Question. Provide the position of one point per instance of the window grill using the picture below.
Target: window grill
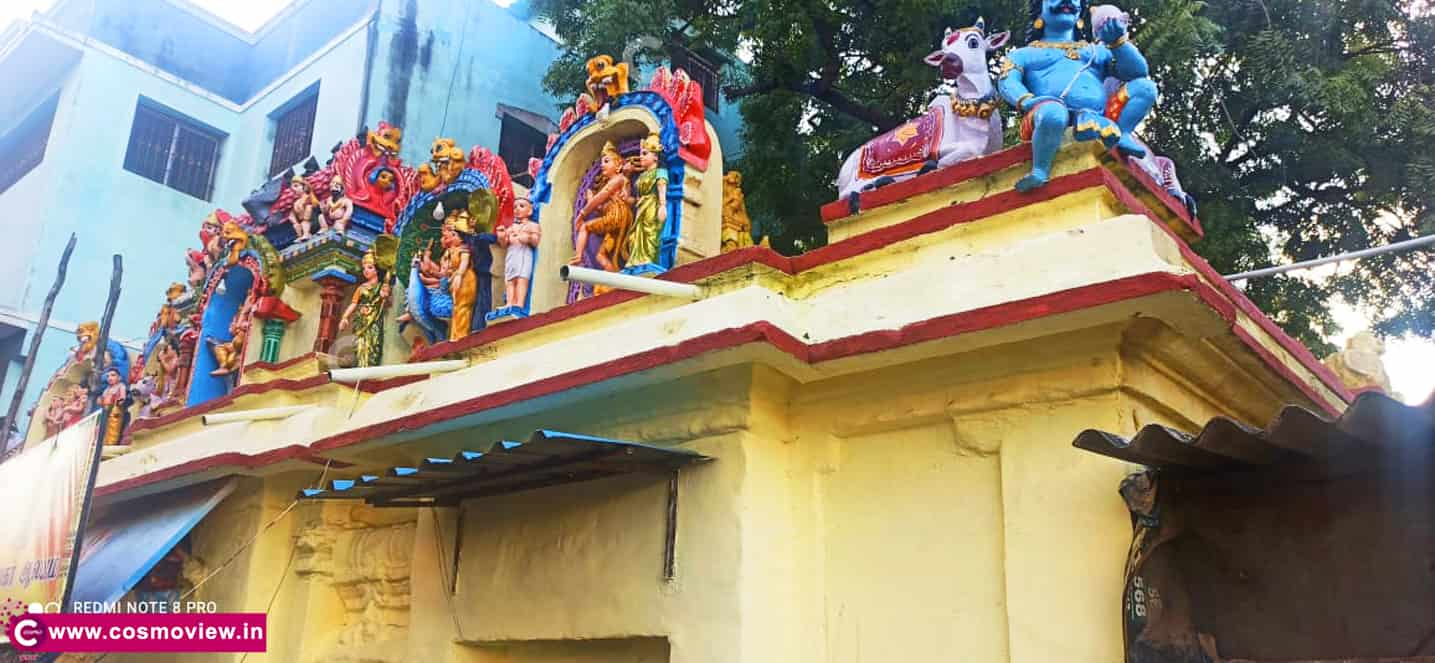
(517, 143)
(703, 72)
(173, 151)
(25, 144)
(293, 135)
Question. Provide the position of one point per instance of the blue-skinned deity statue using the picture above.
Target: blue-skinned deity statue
(1055, 82)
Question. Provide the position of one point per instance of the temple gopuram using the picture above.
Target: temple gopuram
(417, 412)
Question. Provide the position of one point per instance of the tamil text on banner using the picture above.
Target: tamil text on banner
(42, 499)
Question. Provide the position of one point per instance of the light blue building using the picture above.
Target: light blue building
(129, 121)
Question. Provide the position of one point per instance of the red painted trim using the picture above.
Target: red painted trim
(985, 318)
(283, 384)
(1232, 293)
(227, 459)
(1177, 207)
(683, 274)
(958, 172)
(1278, 366)
(990, 317)
(270, 366)
(376, 386)
(1000, 315)
(930, 222)
(1214, 291)
(984, 166)
(967, 321)
(946, 217)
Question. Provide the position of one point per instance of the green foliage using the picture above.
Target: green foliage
(1303, 127)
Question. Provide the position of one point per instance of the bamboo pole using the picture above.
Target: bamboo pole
(40, 326)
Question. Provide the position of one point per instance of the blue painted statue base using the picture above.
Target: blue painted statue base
(504, 312)
(643, 269)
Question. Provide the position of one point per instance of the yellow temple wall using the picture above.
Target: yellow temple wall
(921, 511)
(918, 502)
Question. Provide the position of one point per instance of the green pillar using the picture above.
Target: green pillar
(273, 334)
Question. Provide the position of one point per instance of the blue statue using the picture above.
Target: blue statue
(1055, 82)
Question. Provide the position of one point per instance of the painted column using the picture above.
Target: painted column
(273, 335)
(275, 314)
(332, 281)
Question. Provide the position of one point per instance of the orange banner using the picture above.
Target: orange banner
(42, 499)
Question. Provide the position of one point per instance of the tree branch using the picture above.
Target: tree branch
(735, 92)
(845, 105)
(827, 94)
(1388, 46)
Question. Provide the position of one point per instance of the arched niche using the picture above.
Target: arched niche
(416, 226)
(694, 195)
(220, 305)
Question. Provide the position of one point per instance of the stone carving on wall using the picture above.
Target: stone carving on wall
(364, 554)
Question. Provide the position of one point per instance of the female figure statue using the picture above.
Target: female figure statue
(616, 215)
(521, 240)
(652, 208)
(366, 314)
(114, 400)
(450, 286)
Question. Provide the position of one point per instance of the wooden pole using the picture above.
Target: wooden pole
(40, 326)
(103, 343)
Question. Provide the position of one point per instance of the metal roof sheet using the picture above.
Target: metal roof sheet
(547, 458)
(1374, 424)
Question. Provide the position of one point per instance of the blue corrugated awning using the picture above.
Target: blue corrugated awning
(547, 458)
(121, 546)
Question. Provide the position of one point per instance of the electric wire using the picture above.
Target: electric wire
(457, 61)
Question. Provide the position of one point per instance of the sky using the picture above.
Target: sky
(1410, 361)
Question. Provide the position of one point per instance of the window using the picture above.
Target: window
(173, 150)
(25, 144)
(703, 72)
(294, 132)
(517, 143)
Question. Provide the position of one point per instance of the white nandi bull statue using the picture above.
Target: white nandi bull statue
(953, 128)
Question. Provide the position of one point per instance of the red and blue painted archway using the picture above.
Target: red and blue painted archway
(226, 290)
(415, 226)
(668, 133)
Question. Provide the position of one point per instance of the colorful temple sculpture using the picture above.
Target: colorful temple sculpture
(1056, 83)
(620, 177)
(955, 127)
(400, 431)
